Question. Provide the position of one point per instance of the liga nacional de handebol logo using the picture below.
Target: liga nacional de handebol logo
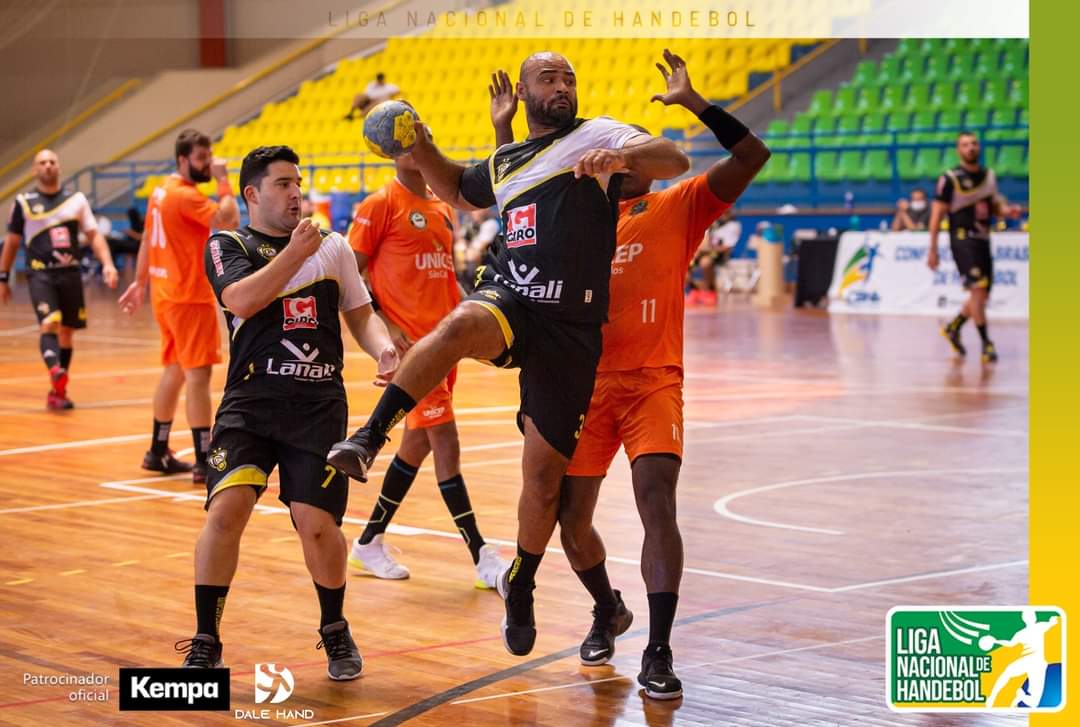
(976, 658)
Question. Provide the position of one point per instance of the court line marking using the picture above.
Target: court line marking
(937, 574)
(620, 677)
(721, 506)
(19, 581)
(80, 503)
(750, 377)
(342, 719)
(32, 328)
(905, 424)
(74, 572)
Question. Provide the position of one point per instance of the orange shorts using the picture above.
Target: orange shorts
(189, 334)
(435, 408)
(641, 410)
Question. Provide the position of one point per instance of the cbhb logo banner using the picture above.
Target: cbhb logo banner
(174, 689)
(971, 658)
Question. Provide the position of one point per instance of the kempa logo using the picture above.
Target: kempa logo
(971, 658)
(273, 683)
(305, 366)
(174, 689)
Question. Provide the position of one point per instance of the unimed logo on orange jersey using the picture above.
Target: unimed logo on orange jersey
(521, 226)
(300, 313)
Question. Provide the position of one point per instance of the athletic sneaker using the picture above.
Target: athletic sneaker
(165, 463)
(203, 651)
(989, 353)
(343, 660)
(375, 558)
(599, 646)
(489, 567)
(656, 675)
(355, 455)
(518, 625)
(198, 473)
(952, 335)
(59, 378)
(56, 402)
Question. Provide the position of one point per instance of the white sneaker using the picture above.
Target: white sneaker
(375, 558)
(489, 567)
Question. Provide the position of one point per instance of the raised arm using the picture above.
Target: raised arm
(441, 174)
(227, 216)
(249, 295)
(503, 107)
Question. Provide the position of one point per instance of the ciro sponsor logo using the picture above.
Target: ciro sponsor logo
(299, 313)
(304, 367)
(521, 226)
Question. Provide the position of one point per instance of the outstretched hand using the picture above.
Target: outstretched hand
(504, 101)
(679, 89)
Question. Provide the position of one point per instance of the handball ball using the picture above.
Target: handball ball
(389, 129)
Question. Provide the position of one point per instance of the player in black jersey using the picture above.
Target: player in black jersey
(968, 195)
(540, 304)
(282, 283)
(50, 219)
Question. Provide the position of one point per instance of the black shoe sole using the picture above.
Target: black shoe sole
(343, 456)
(660, 695)
(506, 642)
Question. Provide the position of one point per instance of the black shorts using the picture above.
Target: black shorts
(244, 451)
(57, 296)
(974, 262)
(557, 360)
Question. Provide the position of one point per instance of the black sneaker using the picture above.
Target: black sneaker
(599, 646)
(202, 652)
(989, 353)
(165, 463)
(355, 455)
(952, 335)
(656, 675)
(198, 474)
(343, 660)
(518, 625)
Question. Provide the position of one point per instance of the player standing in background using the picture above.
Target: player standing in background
(637, 402)
(178, 222)
(50, 219)
(282, 284)
(403, 238)
(968, 194)
(539, 306)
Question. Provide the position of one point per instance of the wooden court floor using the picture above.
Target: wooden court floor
(835, 467)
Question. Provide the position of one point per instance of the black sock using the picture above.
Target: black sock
(982, 334)
(596, 582)
(457, 502)
(393, 405)
(49, 344)
(159, 445)
(957, 323)
(65, 357)
(200, 437)
(209, 605)
(331, 601)
(661, 616)
(523, 569)
(399, 478)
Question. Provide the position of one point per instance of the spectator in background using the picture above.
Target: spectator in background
(475, 235)
(716, 247)
(913, 215)
(308, 209)
(374, 93)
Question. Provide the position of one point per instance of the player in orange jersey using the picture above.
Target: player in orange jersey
(637, 401)
(403, 237)
(179, 219)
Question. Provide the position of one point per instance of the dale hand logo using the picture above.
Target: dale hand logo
(976, 658)
(273, 683)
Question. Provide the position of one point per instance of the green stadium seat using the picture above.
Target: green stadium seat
(892, 97)
(981, 44)
(777, 126)
(769, 172)
(928, 163)
(993, 93)
(1014, 63)
(967, 94)
(949, 118)
(877, 166)
(918, 98)
(932, 45)
(825, 125)
(1003, 116)
(1023, 118)
(865, 74)
(821, 103)
(800, 167)
(1018, 92)
(974, 118)
(943, 95)
(802, 124)
(937, 68)
(956, 45)
(851, 166)
(898, 121)
(963, 67)
(873, 122)
(986, 63)
(827, 167)
(1010, 162)
(888, 71)
(905, 160)
(923, 119)
(844, 101)
(908, 47)
(868, 99)
(911, 69)
(848, 123)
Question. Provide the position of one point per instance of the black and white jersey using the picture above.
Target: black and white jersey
(291, 350)
(559, 231)
(49, 225)
(970, 196)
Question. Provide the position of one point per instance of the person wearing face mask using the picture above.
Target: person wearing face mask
(913, 215)
(178, 220)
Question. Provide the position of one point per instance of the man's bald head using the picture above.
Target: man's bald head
(548, 86)
(46, 169)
